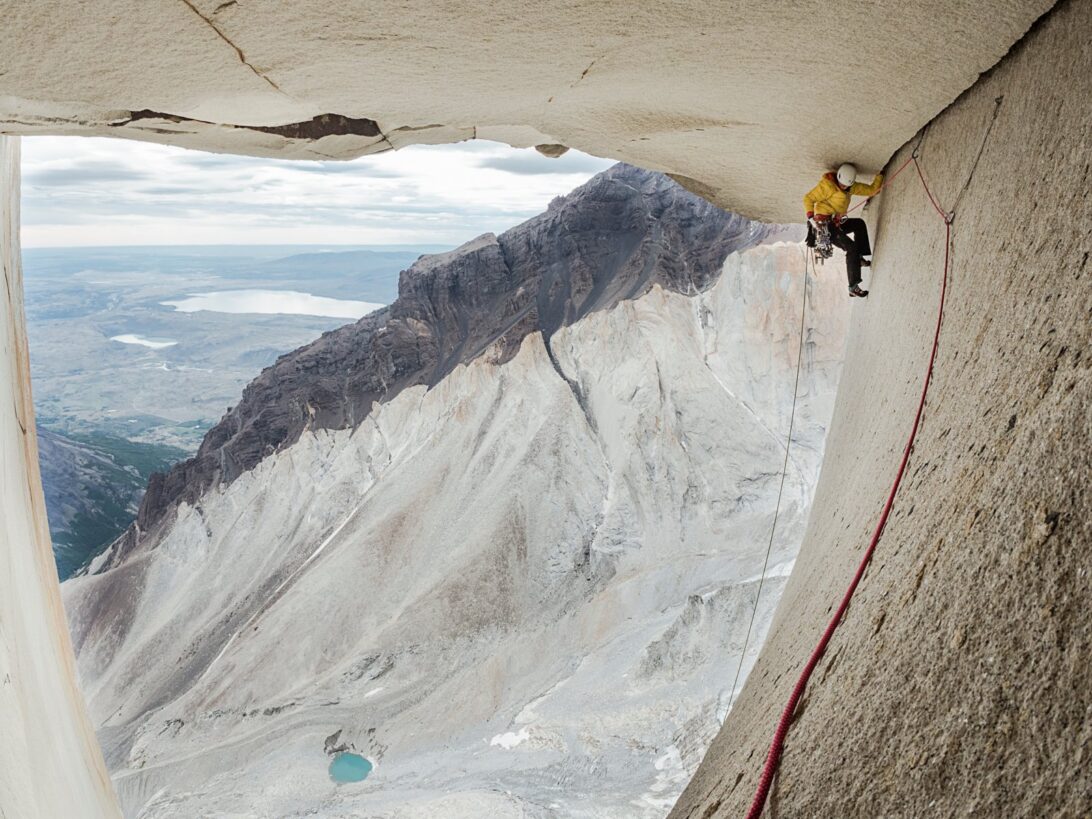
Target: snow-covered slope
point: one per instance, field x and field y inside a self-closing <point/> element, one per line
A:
<point x="520" y="592"/>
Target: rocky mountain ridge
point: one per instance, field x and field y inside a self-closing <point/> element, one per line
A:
<point x="521" y="590"/>
<point x="609" y="240"/>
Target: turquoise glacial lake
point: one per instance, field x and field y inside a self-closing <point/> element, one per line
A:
<point x="350" y="768"/>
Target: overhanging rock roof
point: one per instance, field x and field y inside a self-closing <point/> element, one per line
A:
<point x="745" y="102"/>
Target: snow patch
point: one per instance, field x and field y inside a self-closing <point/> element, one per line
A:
<point x="511" y="740"/>
<point x="671" y="776"/>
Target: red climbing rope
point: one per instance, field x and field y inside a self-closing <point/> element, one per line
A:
<point x="932" y="198"/>
<point x="774" y="755"/>
<point x="886" y="182"/>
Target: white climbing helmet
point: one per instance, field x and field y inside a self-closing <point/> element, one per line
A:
<point x="847" y="174"/>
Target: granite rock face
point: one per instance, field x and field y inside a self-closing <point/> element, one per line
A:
<point x="620" y="82"/>
<point x="722" y="96"/>
<point x="611" y="239"/>
<point x="958" y="683"/>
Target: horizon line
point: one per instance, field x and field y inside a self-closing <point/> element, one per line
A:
<point x="238" y="244"/>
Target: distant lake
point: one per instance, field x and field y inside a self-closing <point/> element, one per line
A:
<point x="128" y="338"/>
<point x="273" y="301"/>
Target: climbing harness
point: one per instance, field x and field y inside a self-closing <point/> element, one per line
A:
<point x="773" y="757"/>
<point x="824" y="247"/>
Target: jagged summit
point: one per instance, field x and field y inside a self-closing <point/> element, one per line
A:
<point x="509" y="544"/>
<point x="609" y="240"/>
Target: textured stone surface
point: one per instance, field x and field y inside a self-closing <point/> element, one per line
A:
<point x="746" y="102"/>
<point x="959" y="683"/>
<point x="43" y="728"/>
<point x="983" y="651"/>
<point x="611" y="239"/>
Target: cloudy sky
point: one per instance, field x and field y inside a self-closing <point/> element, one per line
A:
<point x="79" y="191"/>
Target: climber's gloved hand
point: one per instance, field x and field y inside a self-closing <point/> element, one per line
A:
<point x="821" y="217"/>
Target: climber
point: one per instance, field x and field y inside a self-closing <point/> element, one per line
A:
<point x="828" y="202"/>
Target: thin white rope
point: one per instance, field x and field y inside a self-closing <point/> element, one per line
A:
<point x="784" y="472"/>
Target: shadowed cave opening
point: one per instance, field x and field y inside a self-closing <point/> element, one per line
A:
<point x="514" y="673"/>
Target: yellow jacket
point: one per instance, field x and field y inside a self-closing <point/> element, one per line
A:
<point x="828" y="199"/>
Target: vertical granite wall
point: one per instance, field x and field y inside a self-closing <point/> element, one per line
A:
<point x="959" y="683"/>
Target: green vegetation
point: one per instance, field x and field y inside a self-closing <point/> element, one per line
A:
<point x="144" y="458"/>
<point x="93" y="484"/>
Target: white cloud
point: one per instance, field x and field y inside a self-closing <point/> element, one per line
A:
<point x="87" y="191"/>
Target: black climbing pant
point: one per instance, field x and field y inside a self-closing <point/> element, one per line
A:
<point x="852" y="237"/>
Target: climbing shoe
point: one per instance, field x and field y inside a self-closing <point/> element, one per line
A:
<point x="856" y="291"/>
<point x="866" y="263"/>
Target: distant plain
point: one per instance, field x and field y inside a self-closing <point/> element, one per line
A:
<point x="126" y="384"/>
<point x="91" y="312"/>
